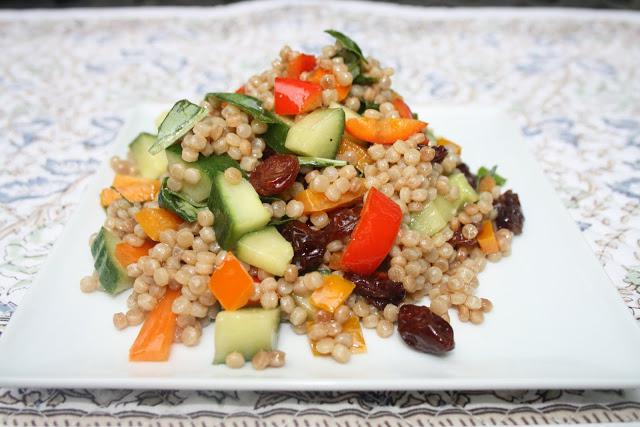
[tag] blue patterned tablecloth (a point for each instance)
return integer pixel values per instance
(571, 79)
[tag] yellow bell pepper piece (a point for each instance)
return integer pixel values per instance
(333, 293)
(447, 143)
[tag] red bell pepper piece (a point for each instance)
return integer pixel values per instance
(294, 96)
(374, 235)
(240, 90)
(299, 64)
(402, 108)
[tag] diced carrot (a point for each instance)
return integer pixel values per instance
(447, 143)
(155, 220)
(334, 292)
(487, 238)
(231, 284)
(402, 108)
(352, 326)
(359, 157)
(132, 188)
(127, 254)
(383, 131)
(299, 64)
(316, 77)
(153, 343)
(318, 202)
(486, 183)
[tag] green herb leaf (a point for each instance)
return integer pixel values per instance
(319, 162)
(276, 136)
(279, 221)
(366, 105)
(246, 103)
(347, 43)
(483, 171)
(361, 79)
(180, 120)
(269, 199)
(178, 204)
(415, 116)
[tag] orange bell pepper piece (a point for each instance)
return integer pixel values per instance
(127, 254)
(316, 77)
(155, 220)
(231, 284)
(153, 343)
(360, 154)
(487, 238)
(334, 292)
(299, 64)
(318, 202)
(352, 326)
(402, 108)
(383, 131)
(132, 188)
(447, 143)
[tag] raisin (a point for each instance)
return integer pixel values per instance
(510, 214)
(458, 240)
(423, 330)
(342, 223)
(308, 244)
(377, 289)
(275, 174)
(471, 178)
(441, 153)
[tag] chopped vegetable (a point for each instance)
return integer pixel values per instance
(383, 131)
(240, 90)
(359, 157)
(316, 77)
(318, 134)
(300, 64)
(266, 249)
(178, 204)
(231, 284)
(320, 162)
(498, 180)
(112, 274)
(333, 293)
(150, 165)
(486, 183)
(402, 108)
(318, 202)
(155, 220)
(246, 331)
(127, 254)
(131, 188)
(487, 238)
(447, 143)
(294, 96)
(180, 120)
(374, 234)
(154, 340)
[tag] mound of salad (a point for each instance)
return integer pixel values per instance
(311, 196)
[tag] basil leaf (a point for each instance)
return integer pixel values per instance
(415, 116)
(483, 171)
(319, 162)
(246, 103)
(276, 136)
(180, 120)
(269, 199)
(176, 203)
(361, 79)
(366, 105)
(347, 43)
(279, 221)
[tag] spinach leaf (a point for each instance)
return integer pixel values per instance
(347, 43)
(246, 103)
(176, 203)
(180, 120)
(482, 172)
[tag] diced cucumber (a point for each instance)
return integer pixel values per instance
(318, 162)
(208, 167)
(237, 210)
(113, 276)
(266, 249)
(348, 112)
(246, 331)
(318, 134)
(306, 304)
(467, 193)
(181, 119)
(150, 165)
(178, 204)
(428, 221)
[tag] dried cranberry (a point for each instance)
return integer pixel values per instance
(510, 214)
(441, 153)
(308, 244)
(423, 330)
(458, 240)
(275, 174)
(471, 178)
(342, 223)
(377, 289)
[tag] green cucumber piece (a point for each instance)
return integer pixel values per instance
(467, 193)
(113, 276)
(246, 331)
(348, 112)
(265, 249)
(237, 209)
(318, 134)
(181, 119)
(318, 162)
(179, 204)
(150, 165)
(428, 221)
(208, 167)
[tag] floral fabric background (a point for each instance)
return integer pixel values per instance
(570, 79)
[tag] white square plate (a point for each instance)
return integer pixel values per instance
(557, 320)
